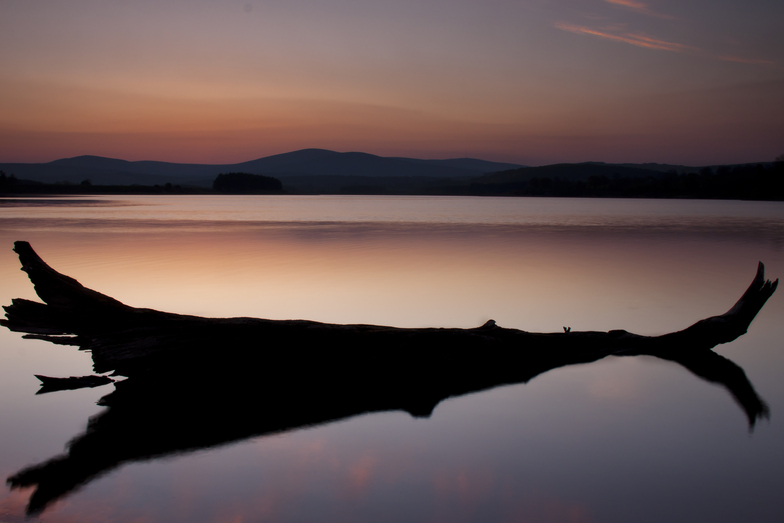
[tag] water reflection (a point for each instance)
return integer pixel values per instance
(623, 439)
(159, 416)
(196, 383)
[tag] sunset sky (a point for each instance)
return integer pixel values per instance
(692, 82)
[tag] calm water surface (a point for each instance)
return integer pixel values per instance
(622, 439)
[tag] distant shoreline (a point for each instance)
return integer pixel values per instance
(761, 182)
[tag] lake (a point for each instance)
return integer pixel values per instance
(617, 440)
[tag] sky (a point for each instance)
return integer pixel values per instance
(694, 82)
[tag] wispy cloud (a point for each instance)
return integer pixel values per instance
(755, 61)
(638, 7)
(628, 3)
(629, 38)
(618, 35)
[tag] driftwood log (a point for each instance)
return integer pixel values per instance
(200, 382)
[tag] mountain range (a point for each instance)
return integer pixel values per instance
(304, 163)
(319, 171)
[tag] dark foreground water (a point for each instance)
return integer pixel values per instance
(618, 440)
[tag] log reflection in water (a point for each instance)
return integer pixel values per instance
(195, 383)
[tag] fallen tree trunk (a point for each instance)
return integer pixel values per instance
(200, 382)
(413, 368)
(128, 340)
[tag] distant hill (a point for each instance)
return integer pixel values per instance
(307, 162)
(110, 171)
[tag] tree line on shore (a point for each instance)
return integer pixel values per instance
(744, 182)
(228, 183)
